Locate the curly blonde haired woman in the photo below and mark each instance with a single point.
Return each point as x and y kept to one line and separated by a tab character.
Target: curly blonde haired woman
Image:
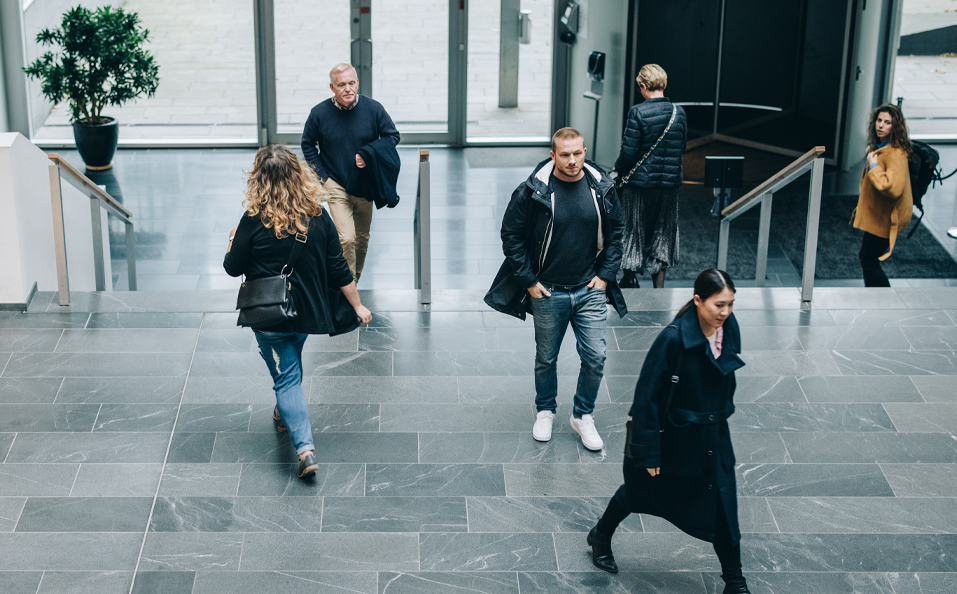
282	206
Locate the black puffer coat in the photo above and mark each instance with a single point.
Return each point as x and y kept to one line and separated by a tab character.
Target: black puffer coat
646	122
694	449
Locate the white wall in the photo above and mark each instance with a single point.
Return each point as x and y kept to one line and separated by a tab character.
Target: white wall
606	31
26	229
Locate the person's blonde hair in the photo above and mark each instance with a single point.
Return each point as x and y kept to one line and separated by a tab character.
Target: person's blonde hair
653	77
282	191
341	67
565	134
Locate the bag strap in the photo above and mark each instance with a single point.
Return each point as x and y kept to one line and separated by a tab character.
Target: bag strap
674	381
294	255
674	113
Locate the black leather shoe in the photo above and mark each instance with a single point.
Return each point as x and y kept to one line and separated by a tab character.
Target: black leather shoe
280	426
601	554
629	281
308	465
734	583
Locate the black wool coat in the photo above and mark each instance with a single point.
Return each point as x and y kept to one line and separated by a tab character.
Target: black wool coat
692	446
376	181
646	121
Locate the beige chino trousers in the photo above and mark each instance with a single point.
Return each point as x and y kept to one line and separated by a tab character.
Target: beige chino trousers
353	218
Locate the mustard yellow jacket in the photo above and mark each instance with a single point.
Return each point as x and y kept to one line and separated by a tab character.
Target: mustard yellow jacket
885	205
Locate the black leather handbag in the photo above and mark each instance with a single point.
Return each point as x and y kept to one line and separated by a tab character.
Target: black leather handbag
267	301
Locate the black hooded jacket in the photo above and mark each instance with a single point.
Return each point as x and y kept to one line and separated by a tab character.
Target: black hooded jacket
526	235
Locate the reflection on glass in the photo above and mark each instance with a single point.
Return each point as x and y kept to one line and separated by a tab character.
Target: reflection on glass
532	117
206	67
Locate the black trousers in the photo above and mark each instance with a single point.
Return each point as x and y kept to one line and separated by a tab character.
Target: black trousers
872	248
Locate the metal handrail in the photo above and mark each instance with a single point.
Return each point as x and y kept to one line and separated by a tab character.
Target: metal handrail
59	169
422	232
763	195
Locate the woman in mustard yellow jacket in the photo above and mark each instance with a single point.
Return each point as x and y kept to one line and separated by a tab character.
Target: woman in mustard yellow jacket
885	205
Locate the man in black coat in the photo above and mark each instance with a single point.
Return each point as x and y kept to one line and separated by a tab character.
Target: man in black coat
561	235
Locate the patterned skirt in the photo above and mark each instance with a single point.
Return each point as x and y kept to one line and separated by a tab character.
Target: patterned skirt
650	242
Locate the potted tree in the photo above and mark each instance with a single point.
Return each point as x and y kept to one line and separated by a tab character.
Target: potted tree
100	62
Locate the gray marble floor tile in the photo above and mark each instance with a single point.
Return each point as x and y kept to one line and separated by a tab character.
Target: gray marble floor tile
621	388
460	582
776	338
866	515
10	508
788	363
487	552
11	319
566	582
47	417
895	363
831	447
233	390
512	389
887	317
20	582
132	448
135	417
341	480
635	338
923	583
29	390
200	480
335	551
922	480
330	448
927	297
808	480
651	318
216	364
562	480
860	389
858	298
6	440
927	338
37	480
95	365
121	390
540	514
784	388
459	363
117	480
640	552
394	514
164	582
330	418
284	582
786	417
237	514
433	319
29	340
428	339
794	582
754	515
191	551
849	552
925	417
198	418
361	389
853	338
795	317
321	343
121	340
191	448
86	582
936	388
145	320
497	448
84	514
226	340
409	480
220	320
89	551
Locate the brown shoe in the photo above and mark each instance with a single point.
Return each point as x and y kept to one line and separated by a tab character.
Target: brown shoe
280	426
308	465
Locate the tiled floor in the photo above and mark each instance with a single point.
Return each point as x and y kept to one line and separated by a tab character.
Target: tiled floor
136	438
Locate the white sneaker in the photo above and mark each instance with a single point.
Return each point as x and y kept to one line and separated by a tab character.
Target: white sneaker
542	429
585	427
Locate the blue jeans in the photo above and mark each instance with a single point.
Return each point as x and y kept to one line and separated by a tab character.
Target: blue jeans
585	309
282	352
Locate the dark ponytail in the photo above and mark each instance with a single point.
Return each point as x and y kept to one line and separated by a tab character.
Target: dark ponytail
710	282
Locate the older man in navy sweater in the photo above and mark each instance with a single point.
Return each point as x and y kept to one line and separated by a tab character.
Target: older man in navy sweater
339	127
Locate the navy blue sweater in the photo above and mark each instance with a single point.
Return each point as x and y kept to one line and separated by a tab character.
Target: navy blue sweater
340	133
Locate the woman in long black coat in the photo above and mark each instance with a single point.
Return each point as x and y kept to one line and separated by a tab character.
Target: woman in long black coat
679	463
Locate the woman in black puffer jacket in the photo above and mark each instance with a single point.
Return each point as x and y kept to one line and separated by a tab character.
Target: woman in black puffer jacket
649	200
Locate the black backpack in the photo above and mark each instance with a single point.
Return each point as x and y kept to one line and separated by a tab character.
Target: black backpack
924	165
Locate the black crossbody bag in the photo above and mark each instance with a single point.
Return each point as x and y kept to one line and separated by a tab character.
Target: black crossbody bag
267	301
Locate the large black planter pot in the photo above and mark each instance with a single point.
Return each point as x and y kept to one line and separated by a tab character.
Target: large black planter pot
96	143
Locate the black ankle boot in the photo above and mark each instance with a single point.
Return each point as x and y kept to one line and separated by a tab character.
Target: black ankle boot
734	583
601	554
629	280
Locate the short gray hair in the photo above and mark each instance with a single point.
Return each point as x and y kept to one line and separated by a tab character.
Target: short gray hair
341	67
